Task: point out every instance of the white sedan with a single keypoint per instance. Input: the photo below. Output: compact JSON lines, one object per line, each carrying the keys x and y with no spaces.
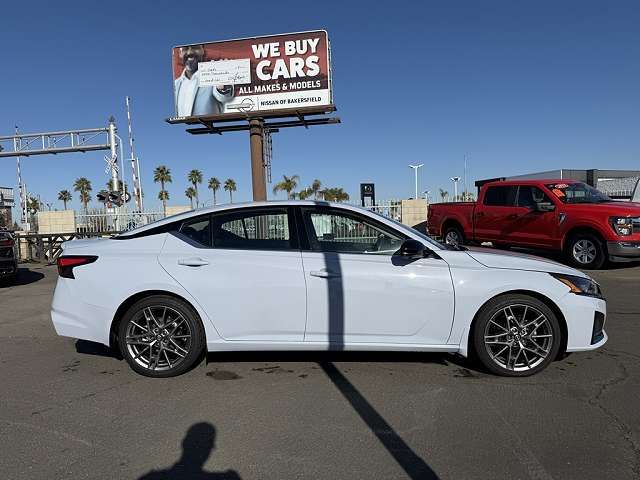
{"x":316,"y":276}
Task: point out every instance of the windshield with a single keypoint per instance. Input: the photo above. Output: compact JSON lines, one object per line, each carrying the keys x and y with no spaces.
{"x":577,"y":193}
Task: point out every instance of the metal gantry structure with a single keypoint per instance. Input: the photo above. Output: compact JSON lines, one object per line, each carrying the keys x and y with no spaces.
{"x":69,"y":141}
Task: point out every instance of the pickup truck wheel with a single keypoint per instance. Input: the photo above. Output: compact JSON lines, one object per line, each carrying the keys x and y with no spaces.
{"x":453,"y":236}
{"x":586,"y":251}
{"x":516,"y":335}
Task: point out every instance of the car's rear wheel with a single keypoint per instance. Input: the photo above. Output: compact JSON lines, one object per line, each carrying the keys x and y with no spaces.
{"x":453,"y":235}
{"x":161,"y":336}
{"x":586,"y":251}
{"x":516,"y":335}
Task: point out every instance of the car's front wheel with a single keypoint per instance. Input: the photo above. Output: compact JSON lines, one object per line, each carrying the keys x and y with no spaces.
{"x":586,"y":251}
{"x":516,"y":335}
{"x":161,"y":336}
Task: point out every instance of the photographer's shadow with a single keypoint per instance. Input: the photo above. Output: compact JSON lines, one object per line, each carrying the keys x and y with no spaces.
{"x":197,"y":446}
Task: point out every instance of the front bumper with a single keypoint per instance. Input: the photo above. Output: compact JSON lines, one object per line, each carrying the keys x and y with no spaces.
{"x":629,"y":250}
{"x":585,"y":318}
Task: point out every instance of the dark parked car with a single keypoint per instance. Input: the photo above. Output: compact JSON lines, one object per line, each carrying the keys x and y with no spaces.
{"x":8,"y":259}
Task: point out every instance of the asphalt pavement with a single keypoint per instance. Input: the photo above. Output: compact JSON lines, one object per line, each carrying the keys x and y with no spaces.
{"x":71,"y":409}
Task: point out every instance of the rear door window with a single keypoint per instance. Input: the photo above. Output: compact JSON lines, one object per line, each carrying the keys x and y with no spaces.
{"x":253,"y":230}
{"x":500,"y":196}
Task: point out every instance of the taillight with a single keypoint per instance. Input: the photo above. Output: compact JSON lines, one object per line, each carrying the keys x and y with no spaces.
{"x":7,"y":242}
{"x":68,"y":262}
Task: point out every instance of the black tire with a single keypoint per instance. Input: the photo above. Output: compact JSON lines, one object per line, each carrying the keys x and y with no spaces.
{"x":585,"y":250}
{"x":451,"y":232}
{"x":523,"y":364}
{"x":176,"y":333}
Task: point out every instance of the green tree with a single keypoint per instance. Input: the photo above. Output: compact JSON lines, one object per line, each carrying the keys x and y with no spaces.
{"x":316,"y":185}
{"x":335,"y":195}
{"x":230,"y":186}
{"x":33,"y":204}
{"x":190,"y":194}
{"x":443,"y":194}
{"x":305,"y":193}
{"x":64,"y":196}
{"x":195,"y":177}
{"x":163,"y":195}
{"x":214,"y":185}
{"x":287,"y":184}
{"x":162,"y":175}
{"x":83,"y":186}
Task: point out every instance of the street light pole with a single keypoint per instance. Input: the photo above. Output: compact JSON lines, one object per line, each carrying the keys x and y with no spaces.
{"x":455,"y":181}
{"x":415,"y":171}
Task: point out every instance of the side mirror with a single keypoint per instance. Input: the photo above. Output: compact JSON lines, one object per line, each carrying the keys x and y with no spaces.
{"x":412,"y":249}
{"x":545,"y":207}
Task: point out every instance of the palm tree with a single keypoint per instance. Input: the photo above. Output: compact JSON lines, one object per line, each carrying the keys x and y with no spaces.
{"x":214,"y":185}
{"x":163,"y":195}
{"x":316,"y":185}
{"x":83,"y":185}
{"x":190,"y":193}
{"x":162,"y":175}
{"x":64,"y":196}
{"x":305,"y":193}
{"x":335,"y":194}
{"x":443,"y":194}
{"x":195,"y":177}
{"x":288,"y":184}
{"x":33,"y":204}
{"x":230,"y":186}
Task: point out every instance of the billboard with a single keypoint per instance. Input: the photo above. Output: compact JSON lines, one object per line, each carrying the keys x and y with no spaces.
{"x":260,"y":74}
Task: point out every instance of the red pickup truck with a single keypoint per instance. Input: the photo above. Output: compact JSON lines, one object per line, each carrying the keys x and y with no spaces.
{"x":562,"y":215}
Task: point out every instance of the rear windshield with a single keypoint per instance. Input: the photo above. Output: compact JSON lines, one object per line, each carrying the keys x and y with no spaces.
{"x":577,"y":193}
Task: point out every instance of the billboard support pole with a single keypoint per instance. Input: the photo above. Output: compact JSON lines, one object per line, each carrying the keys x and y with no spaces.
{"x":258,"y":177}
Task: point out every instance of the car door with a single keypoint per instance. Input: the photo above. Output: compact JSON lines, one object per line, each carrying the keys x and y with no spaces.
{"x":494,"y":214}
{"x":244,"y":268}
{"x":532,"y":227}
{"x":358,"y":291}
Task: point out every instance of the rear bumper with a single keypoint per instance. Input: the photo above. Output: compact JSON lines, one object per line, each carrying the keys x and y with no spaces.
{"x":624,"y":250}
{"x":74,"y":318}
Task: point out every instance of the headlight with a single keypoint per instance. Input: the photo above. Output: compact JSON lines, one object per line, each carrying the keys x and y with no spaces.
{"x":579,"y":285}
{"x":623,"y":226}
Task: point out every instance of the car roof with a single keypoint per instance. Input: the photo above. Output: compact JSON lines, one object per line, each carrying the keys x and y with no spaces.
{"x":529,"y":181}
{"x":237,"y":206}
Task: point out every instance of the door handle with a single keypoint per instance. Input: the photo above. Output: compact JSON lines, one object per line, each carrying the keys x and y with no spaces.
{"x":192,"y":262}
{"x":479,"y":214}
{"x":324,"y":273}
{"x":513,"y":216}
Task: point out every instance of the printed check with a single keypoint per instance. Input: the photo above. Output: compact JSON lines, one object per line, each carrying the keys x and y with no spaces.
{"x":225,"y":72}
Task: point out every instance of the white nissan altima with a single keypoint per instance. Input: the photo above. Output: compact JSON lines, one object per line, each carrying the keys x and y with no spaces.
{"x":316,"y":276}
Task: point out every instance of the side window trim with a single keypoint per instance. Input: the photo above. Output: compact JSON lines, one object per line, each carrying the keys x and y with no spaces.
{"x":263,"y":210}
{"x":327,"y":210}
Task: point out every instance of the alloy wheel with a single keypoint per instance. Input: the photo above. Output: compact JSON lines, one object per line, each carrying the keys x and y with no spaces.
{"x":584,"y":251}
{"x":452,"y":238}
{"x":158,"y":338}
{"x":518,"y":337}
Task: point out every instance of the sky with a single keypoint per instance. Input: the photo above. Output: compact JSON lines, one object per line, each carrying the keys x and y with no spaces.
{"x":514,"y":86}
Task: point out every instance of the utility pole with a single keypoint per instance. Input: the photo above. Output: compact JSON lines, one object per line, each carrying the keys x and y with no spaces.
{"x":455,"y":181}
{"x":465,"y":179}
{"x":258,"y":177}
{"x":415,"y":172}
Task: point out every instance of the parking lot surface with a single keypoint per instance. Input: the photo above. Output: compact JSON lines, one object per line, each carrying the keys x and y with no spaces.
{"x":71,"y":409}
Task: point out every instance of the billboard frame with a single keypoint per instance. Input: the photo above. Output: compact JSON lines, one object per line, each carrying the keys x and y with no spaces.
{"x":230,"y":117}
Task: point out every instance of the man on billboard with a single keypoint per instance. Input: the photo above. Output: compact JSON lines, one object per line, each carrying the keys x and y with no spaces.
{"x":191,"y":99}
